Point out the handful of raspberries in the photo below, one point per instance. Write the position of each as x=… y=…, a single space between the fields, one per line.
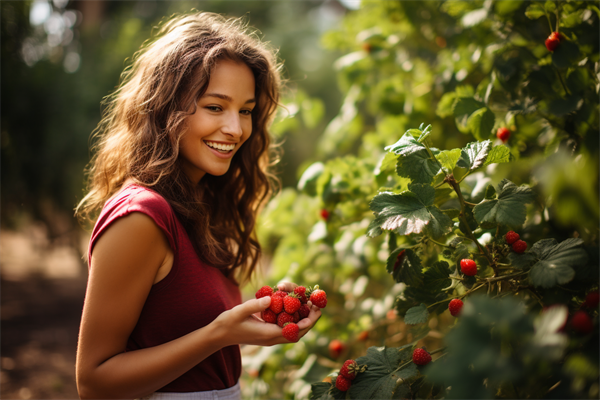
x=287 y=308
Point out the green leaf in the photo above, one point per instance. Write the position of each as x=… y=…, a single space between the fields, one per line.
x=508 y=209
x=416 y=315
x=490 y=192
x=321 y=391
x=498 y=154
x=436 y=277
x=407 y=144
x=534 y=11
x=448 y=159
x=463 y=108
x=567 y=54
x=560 y=107
x=445 y=105
x=308 y=180
x=381 y=376
x=472 y=223
x=418 y=167
x=550 y=6
x=522 y=261
x=555 y=261
x=452 y=213
x=481 y=123
x=407 y=268
x=474 y=155
x=409 y=212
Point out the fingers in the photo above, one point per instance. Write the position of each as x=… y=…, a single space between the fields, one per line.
x=253 y=306
x=311 y=320
x=286 y=286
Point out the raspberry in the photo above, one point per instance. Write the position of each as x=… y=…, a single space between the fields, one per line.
x=581 y=322
x=336 y=347
x=276 y=304
x=553 y=41
x=511 y=237
x=591 y=300
x=349 y=369
x=319 y=298
x=304 y=311
x=468 y=267
x=519 y=246
x=343 y=384
x=325 y=214
x=269 y=316
x=284 y=317
x=455 y=306
x=421 y=356
x=290 y=331
x=300 y=291
x=503 y=134
x=264 y=292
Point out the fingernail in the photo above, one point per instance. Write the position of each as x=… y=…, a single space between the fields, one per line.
x=265 y=301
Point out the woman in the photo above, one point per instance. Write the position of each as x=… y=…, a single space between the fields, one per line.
x=180 y=173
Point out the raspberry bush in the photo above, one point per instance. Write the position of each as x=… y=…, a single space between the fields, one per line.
x=414 y=179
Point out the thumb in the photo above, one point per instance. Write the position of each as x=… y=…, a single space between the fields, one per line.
x=256 y=305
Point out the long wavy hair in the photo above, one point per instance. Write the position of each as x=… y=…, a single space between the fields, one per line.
x=144 y=119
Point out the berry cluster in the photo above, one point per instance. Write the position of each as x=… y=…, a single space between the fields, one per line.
x=512 y=238
x=347 y=374
x=287 y=309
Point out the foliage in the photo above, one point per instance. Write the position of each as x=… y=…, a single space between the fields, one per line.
x=403 y=209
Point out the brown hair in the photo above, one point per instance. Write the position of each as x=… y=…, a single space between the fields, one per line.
x=144 y=119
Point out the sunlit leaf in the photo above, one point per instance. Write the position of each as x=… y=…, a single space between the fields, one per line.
x=419 y=167
x=508 y=208
x=481 y=123
x=407 y=145
x=474 y=155
x=449 y=158
x=498 y=154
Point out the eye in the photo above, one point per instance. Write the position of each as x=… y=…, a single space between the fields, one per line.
x=213 y=108
x=246 y=112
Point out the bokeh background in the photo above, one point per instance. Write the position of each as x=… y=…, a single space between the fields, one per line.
x=59 y=59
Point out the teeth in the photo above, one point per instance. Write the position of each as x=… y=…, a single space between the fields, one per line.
x=221 y=146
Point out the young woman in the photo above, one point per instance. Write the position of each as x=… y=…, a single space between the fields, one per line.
x=179 y=175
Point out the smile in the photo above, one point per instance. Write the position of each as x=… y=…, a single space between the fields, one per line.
x=220 y=147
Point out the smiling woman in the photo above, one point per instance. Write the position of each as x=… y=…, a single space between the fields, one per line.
x=179 y=175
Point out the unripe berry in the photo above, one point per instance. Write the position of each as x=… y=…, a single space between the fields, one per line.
x=503 y=134
x=519 y=246
x=553 y=41
x=455 y=306
x=468 y=267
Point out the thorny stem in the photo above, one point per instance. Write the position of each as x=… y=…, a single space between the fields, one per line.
x=452 y=182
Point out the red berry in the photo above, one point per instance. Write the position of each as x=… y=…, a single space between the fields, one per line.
x=511 y=237
x=319 y=298
x=276 y=304
x=325 y=214
x=280 y=293
x=296 y=316
x=421 y=356
x=290 y=332
x=291 y=303
x=343 y=384
x=503 y=134
x=269 y=316
x=300 y=291
x=581 y=322
x=455 y=306
x=336 y=347
x=364 y=335
x=264 y=292
x=468 y=267
x=284 y=317
x=591 y=300
x=519 y=246
x=553 y=41
x=349 y=369
x=304 y=311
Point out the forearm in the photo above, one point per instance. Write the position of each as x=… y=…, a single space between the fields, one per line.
x=141 y=372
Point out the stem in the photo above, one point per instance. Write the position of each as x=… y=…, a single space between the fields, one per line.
x=562 y=81
x=501 y=278
x=438 y=243
x=549 y=22
x=459 y=297
x=450 y=179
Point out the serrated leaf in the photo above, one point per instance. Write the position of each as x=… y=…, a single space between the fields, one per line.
x=407 y=144
x=522 y=261
x=409 y=212
x=425 y=132
x=534 y=11
x=321 y=391
x=474 y=155
x=407 y=268
x=555 y=261
x=416 y=315
x=481 y=123
x=436 y=277
x=419 y=167
x=508 y=208
x=498 y=154
x=448 y=159
x=381 y=376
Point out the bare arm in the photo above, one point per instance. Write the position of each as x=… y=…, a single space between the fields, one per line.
x=125 y=262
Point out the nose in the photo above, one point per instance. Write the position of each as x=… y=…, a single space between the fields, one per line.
x=232 y=125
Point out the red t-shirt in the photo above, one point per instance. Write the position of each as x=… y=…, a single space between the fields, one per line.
x=191 y=296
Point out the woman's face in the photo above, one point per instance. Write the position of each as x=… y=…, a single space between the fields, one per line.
x=222 y=121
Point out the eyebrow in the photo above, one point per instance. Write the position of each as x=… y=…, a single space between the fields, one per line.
x=227 y=98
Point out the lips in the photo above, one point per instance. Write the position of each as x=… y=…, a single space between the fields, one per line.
x=220 y=147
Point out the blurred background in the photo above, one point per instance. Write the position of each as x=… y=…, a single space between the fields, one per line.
x=59 y=59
